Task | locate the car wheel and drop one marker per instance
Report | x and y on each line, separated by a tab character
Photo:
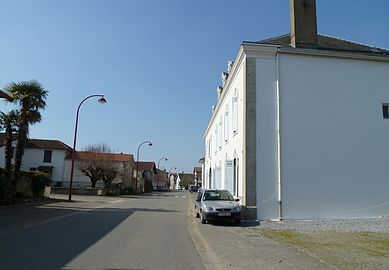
197	215
237	221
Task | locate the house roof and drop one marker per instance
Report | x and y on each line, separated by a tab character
47	144
328	43
197	169
39	143
146	166
93	156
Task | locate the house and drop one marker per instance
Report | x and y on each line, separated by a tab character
123	162
40	155
198	176
301	124
146	172
186	179
161	179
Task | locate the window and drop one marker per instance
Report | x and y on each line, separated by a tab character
226	126
219	139
235	114
47	156
385	111
215	142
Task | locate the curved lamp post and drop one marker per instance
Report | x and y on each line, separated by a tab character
158	169
137	162
101	100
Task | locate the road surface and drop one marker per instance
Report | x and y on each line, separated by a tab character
133	232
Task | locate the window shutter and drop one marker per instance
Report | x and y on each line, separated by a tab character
235	114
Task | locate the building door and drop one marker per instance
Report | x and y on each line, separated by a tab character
210	178
236	177
229	181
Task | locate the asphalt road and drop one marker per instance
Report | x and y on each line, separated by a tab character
134	232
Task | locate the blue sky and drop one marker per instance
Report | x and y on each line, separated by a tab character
157	62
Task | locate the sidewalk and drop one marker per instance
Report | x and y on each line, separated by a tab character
225	246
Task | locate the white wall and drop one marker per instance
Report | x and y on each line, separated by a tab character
334	140
33	158
81	181
267	189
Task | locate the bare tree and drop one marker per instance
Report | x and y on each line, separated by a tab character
97	165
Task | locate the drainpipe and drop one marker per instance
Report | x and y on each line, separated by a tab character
278	138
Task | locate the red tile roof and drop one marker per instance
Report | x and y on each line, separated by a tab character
47	144
146	166
84	155
197	169
39	143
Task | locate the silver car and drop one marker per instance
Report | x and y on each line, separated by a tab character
212	204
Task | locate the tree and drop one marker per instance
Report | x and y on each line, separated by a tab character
8	121
31	98
97	165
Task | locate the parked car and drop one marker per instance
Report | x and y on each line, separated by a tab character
212	204
193	188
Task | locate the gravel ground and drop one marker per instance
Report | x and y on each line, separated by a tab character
343	225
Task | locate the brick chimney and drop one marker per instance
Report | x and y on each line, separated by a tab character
303	26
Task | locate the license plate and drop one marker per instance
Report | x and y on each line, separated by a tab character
224	214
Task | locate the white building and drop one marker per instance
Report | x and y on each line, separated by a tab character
123	162
301	125
40	155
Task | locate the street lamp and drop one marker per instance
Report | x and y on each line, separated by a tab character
101	100
137	162
158	169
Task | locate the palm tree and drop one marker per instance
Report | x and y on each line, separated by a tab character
8	121
31	98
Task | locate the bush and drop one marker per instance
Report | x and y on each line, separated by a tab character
39	182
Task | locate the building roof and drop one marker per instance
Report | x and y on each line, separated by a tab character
47	144
146	166
93	156
328	43
39	143
197	169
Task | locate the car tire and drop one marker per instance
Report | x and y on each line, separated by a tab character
197	215
237	221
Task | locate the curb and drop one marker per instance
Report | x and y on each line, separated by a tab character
210	259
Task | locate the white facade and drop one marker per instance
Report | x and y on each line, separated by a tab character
224	137
330	157
33	158
124	176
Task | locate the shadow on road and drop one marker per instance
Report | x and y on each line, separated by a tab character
55	235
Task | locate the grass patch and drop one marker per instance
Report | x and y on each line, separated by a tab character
344	250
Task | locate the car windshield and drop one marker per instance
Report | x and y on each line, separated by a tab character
218	195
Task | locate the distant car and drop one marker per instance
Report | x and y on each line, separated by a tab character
212	205
193	188
161	188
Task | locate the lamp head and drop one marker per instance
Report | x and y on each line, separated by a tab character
150	144
102	100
